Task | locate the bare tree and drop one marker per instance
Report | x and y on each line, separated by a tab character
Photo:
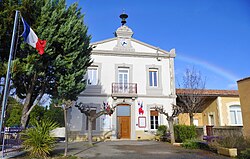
65	105
176	110
87	108
189	97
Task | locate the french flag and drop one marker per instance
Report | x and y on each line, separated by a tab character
31	38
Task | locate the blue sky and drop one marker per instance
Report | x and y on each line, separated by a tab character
212	35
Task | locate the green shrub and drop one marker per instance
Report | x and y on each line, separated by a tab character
191	144
37	140
195	144
184	132
162	129
245	154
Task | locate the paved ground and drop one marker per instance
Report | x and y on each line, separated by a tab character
134	150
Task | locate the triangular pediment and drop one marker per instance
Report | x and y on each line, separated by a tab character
107	44
136	46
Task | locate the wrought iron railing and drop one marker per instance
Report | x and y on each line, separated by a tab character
124	88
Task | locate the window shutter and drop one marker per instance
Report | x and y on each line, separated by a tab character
153	113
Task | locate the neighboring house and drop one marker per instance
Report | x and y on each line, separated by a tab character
131	75
244	91
221	108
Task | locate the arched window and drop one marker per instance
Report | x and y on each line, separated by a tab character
235	115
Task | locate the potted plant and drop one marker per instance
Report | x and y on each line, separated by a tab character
227	145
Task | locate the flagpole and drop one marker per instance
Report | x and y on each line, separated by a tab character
7	79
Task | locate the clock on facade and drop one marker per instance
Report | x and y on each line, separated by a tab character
124	42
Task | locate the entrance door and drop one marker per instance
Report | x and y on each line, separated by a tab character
123	80
124	126
123	121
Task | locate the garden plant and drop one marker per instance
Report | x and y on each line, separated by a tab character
37	139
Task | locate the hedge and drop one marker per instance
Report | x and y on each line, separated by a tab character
184	132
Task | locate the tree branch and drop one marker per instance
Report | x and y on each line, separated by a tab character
37	99
86	109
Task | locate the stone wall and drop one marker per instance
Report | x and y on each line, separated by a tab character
221	131
228	130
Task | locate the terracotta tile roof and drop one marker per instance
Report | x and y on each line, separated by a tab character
212	92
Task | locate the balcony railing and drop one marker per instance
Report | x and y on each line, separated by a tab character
124	88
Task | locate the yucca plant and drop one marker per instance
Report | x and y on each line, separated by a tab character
37	140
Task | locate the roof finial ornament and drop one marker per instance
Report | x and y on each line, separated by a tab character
123	16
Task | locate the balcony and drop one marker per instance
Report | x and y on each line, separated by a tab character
124	90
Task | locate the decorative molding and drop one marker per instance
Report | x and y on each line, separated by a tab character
124	31
165	54
172	51
152	107
94	88
130	54
103	41
130	71
124	35
138	95
172	76
154	90
99	68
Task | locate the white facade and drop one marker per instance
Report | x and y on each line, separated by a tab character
128	74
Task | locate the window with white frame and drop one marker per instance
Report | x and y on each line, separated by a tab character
154	119
153	77
235	115
123	79
92	75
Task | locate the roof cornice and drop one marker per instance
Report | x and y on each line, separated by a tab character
131	54
103	41
150	46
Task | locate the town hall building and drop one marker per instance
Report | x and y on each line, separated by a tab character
132	76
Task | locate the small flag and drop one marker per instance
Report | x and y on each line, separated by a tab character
31	38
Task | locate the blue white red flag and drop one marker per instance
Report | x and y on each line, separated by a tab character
31	38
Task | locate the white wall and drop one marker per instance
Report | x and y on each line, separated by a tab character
139	71
148	103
